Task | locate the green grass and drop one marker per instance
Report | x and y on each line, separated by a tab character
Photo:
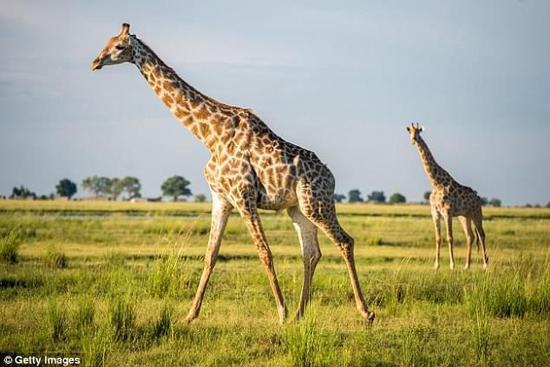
113	282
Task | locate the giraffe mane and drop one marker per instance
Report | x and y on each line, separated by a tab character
215	102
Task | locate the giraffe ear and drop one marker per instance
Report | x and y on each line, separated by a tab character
124	30
408	128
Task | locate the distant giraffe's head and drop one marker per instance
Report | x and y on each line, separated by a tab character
117	50
414	131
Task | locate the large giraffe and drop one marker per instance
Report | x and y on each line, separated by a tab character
250	168
450	199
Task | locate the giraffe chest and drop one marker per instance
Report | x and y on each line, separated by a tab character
455	201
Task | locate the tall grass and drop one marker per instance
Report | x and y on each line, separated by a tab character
122	315
55	259
303	342
95	347
57	321
85	313
163	326
167	276
9	245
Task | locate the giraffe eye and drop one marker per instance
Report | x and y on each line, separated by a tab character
120	47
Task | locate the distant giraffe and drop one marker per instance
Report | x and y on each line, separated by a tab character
250	168
450	199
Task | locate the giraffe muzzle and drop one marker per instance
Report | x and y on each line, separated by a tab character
96	64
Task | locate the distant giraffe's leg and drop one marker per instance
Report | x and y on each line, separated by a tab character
323	214
307	234
467	225
220	213
249	212
449	227
436	217
478	223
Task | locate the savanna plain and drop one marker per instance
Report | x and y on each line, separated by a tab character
111	282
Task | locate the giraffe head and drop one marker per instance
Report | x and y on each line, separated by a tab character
414	131
117	50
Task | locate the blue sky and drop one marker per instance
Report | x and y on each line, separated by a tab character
340	78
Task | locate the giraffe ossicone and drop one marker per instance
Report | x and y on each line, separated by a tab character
450	199
250	168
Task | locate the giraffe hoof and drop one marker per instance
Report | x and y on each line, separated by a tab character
452	266
370	317
189	319
467	266
298	316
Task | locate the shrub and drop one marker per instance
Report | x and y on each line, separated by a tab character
397	198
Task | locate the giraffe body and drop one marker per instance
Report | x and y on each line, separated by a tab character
450	199
250	168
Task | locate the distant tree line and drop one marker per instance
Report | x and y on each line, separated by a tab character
355	196
112	188
176	187
378	197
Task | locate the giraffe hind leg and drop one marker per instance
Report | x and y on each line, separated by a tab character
467	225
478	223
307	235
321	211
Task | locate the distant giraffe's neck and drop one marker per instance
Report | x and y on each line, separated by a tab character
435	173
195	110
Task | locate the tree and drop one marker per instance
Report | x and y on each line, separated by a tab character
176	186
397	198
339	198
99	186
66	188
131	186
484	201
495	202
90	184
104	185
354	196
116	187
377	197
200	198
22	192
427	196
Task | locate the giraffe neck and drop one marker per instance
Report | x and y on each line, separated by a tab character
437	175
202	115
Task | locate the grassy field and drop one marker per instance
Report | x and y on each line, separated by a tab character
111	282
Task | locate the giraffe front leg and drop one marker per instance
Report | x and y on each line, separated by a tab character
436	217
307	234
449	227
248	210
220	213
